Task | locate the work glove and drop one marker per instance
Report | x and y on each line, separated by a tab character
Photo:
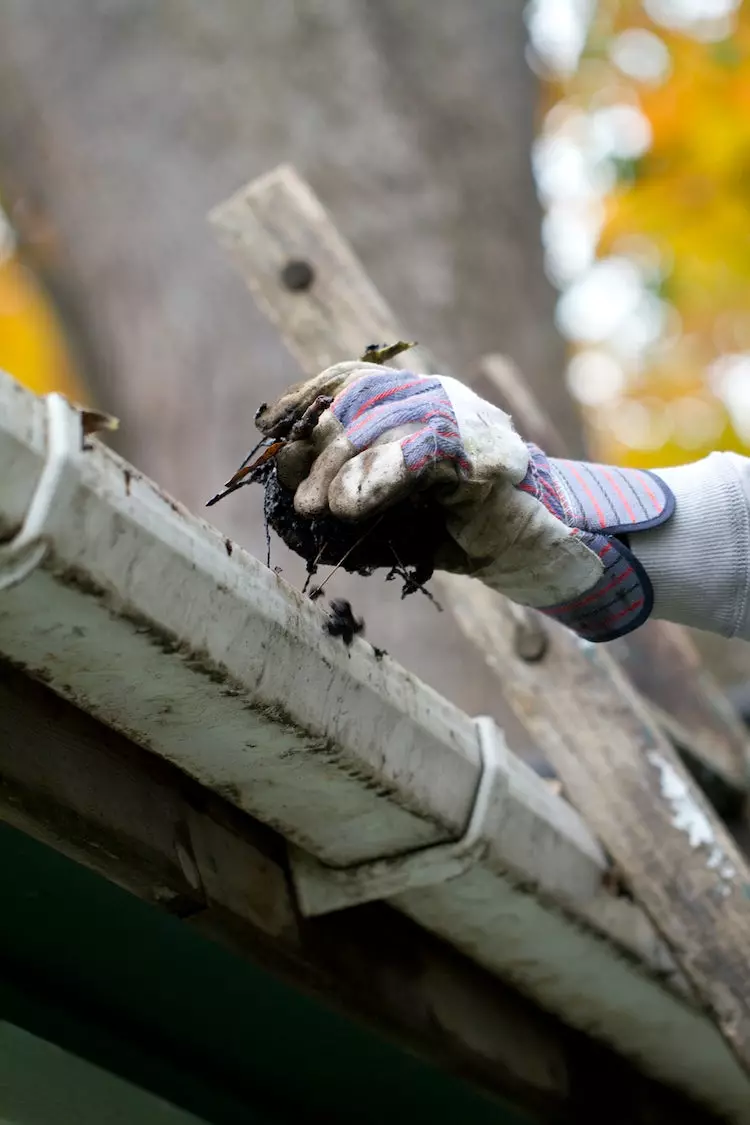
546	532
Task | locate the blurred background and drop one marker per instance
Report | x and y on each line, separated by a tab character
643	166
563	181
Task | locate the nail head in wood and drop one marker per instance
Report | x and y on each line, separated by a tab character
297	275
530	638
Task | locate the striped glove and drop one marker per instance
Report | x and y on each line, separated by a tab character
547	533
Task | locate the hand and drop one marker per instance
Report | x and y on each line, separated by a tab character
386	434
539	531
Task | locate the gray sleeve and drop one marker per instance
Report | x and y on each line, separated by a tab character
699	561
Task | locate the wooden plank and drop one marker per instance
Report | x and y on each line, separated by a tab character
660	659
588	720
83	789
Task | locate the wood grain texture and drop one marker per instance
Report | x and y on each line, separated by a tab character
660	659
617	766
79	787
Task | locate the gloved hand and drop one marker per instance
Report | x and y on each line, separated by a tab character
544	532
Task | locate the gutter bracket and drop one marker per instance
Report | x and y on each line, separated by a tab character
26	550
321	889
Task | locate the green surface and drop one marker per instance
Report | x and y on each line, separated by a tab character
113	980
41	1084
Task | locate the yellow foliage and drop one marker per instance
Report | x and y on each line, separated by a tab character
32	344
689	196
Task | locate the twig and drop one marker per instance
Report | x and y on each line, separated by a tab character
410	582
318	590
314	568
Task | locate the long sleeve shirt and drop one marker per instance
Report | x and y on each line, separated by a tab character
699	561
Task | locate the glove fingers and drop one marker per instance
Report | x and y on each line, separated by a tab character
373	480
294	462
311	498
326	432
296	399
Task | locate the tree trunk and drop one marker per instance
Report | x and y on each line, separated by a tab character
122	122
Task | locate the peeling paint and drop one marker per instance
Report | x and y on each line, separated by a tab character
689	817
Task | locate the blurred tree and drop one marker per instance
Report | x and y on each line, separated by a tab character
642	163
123	121
657	112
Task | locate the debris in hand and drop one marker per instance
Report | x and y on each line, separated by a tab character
414	580
341	621
248	470
413	530
303	428
410	532
293	427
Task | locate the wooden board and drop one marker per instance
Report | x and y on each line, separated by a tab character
660	659
79	787
618	767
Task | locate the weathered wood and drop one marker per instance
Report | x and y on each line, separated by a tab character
660	659
617	766
78	786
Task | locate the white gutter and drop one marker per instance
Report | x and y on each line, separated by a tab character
148	619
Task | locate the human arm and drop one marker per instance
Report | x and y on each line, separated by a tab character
699	561
576	540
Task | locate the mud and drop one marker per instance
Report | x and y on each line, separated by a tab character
402	541
342	622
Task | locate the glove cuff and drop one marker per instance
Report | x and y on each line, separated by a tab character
603	505
700	562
